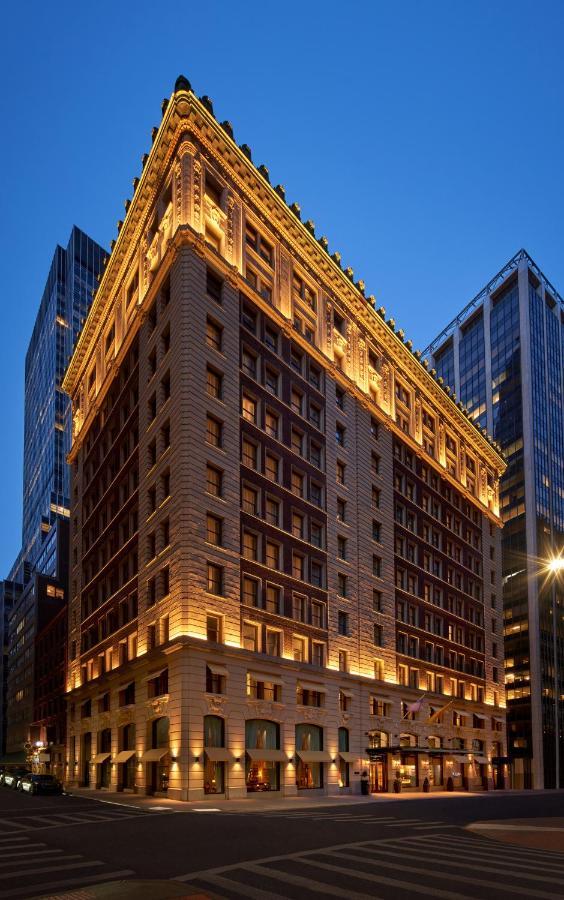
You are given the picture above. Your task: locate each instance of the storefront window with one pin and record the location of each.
(214, 770)
(309, 773)
(262, 770)
(159, 738)
(407, 772)
(435, 771)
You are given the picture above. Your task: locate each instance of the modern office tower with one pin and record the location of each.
(285, 548)
(35, 693)
(64, 306)
(503, 356)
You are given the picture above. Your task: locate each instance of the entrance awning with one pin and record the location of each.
(101, 758)
(482, 760)
(219, 754)
(314, 756)
(348, 757)
(124, 756)
(267, 755)
(459, 758)
(154, 755)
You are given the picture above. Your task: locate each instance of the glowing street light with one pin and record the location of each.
(556, 565)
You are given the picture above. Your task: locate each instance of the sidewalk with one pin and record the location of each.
(260, 802)
(535, 834)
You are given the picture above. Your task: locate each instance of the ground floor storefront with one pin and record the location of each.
(197, 723)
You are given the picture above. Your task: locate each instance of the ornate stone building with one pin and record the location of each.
(285, 532)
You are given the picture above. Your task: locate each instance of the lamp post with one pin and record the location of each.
(555, 567)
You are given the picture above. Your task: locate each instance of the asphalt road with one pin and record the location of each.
(385, 849)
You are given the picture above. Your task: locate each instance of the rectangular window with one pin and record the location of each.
(250, 591)
(249, 498)
(271, 467)
(250, 545)
(214, 579)
(214, 432)
(250, 637)
(214, 528)
(342, 585)
(214, 383)
(343, 623)
(271, 423)
(214, 481)
(213, 629)
(273, 599)
(214, 335)
(272, 555)
(249, 454)
(214, 286)
(377, 635)
(249, 409)
(272, 511)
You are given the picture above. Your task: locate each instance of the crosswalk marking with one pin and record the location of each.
(453, 864)
(417, 870)
(480, 853)
(383, 879)
(245, 889)
(488, 849)
(409, 866)
(299, 881)
(25, 863)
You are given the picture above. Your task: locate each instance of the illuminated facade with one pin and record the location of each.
(283, 530)
(503, 355)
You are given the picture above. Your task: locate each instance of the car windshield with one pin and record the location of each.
(44, 778)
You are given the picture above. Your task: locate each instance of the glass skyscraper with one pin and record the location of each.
(64, 306)
(503, 355)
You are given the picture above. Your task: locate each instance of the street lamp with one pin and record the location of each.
(555, 567)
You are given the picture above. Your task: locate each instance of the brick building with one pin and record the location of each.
(285, 534)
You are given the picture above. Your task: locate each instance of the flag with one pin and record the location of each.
(414, 707)
(438, 712)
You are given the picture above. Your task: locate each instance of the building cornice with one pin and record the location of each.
(187, 118)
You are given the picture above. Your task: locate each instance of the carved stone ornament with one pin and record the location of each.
(104, 721)
(312, 714)
(385, 383)
(230, 227)
(77, 421)
(263, 708)
(125, 716)
(197, 193)
(345, 718)
(215, 703)
(157, 707)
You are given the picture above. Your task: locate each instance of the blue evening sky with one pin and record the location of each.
(425, 139)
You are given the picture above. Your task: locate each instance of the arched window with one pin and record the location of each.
(263, 756)
(214, 731)
(378, 739)
(214, 756)
(159, 733)
(309, 747)
(344, 739)
(344, 766)
(408, 740)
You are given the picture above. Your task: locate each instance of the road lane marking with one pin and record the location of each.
(319, 887)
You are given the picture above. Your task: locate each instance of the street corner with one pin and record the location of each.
(536, 834)
(138, 889)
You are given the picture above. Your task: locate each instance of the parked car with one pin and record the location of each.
(12, 776)
(40, 784)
